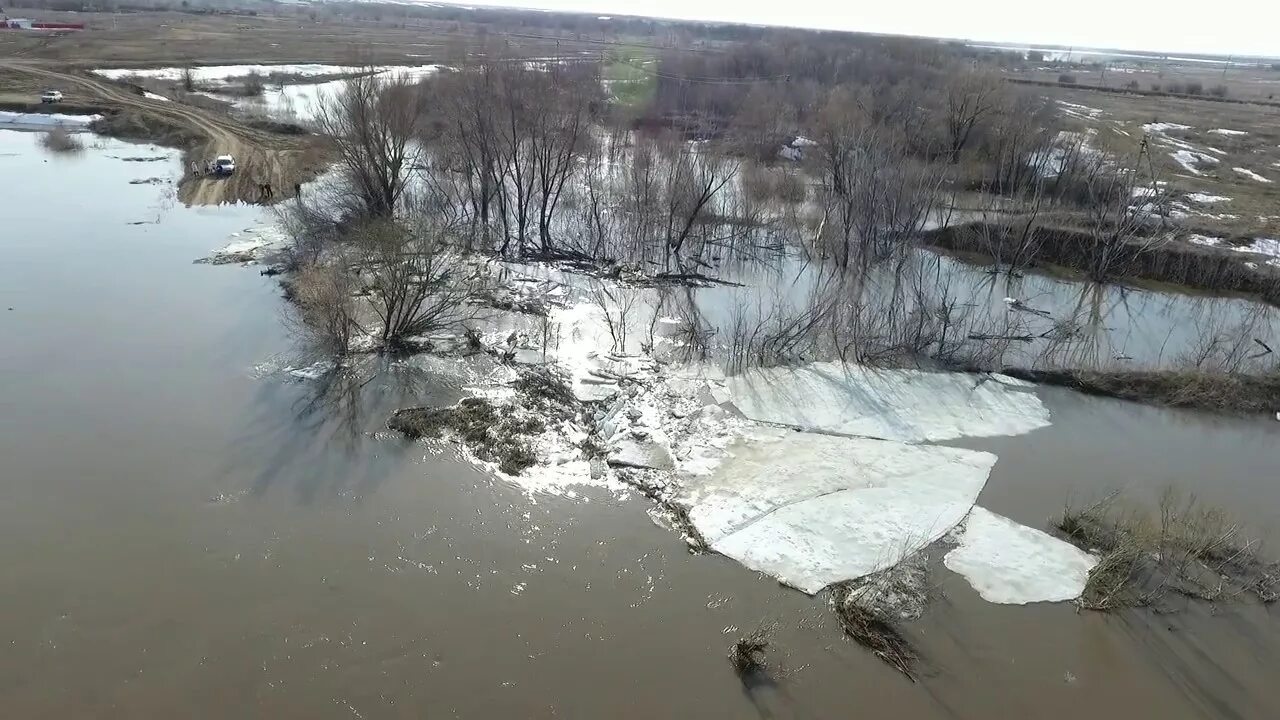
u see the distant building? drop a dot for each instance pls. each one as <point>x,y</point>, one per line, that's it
<point>26,24</point>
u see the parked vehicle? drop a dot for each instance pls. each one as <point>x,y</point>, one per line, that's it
<point>51,96</point>
<point>224,165</point>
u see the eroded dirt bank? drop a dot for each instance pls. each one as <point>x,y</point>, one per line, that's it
<point>262,157</point>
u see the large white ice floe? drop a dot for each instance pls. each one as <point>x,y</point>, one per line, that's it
<point>250,245</point>
<point>45,121</point>
<point>1014,564</point>
<point>812,509</point>
<point>903,405</point>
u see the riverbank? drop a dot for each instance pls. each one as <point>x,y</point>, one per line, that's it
<point>281,159</point>
<point>1187,265</point>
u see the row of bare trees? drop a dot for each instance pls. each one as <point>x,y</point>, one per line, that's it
<point>526,161</point>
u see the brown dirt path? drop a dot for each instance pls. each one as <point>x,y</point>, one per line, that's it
<point>261,156</point>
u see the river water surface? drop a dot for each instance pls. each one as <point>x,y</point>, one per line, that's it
<point>187,532</point>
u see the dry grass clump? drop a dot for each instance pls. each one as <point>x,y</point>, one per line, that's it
<point>746,655</point>
<point>498,433</point>
<point>875,632</point>
<point>494,433</point>
<point>1185,548</point>
<point>871,609</point>
<point>59,140</point>
<point>254,85</point>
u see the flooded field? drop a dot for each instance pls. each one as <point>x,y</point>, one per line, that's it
<point>187,529</point>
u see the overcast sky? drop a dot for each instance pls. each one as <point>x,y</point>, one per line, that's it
<point>1245,27</point>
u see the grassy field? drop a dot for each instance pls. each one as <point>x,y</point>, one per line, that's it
<point>159,38</point>
<point>1225,151</point>
<point>629,75</point>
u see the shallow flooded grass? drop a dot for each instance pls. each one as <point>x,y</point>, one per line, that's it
<point>1184,548</point>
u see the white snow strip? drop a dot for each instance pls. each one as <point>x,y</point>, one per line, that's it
<point>43,121</point>
<point>1079,110</point>
<point>222,73</point>
<point>1013,564</point>
<point>1251,175</point>
<point>1224,131</point>
<point>225,73</point>
<point>152,96</point>
<point>1206,198</point>
<point>1204,240</point>
<point>904,405</point>
<point>1163,127</point>
<point>811,509</point>
<point>1188,159</point>
<point>1262,246</point>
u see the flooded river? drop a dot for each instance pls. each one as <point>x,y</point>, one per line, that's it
<point>186,532</point>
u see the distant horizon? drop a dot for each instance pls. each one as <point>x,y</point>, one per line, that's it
<point>1125,27</point>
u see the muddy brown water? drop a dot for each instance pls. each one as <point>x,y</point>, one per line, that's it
<point>184,536</point>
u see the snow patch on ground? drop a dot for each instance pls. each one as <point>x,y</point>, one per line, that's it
<point>1081,111</point>
<point>903,405</point>
<point>1204,240</point>
<point>812,509</point>
<point>1224,131</point>
<point>1206,198</point>
<point>223,73</point>
<point>152,96</point>
<point>1262,246</point>
<point>1251,175</point>
<point>1188,159</point>
<point>1163,127</point>
<point>1013,564</point>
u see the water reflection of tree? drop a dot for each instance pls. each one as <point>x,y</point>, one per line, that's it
<point>311,437</point>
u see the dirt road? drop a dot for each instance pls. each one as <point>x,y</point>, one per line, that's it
<point>261,157</point>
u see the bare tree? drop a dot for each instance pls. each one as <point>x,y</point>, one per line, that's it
<point>326,315</point>
<point>417,281</point>
<point>373,122</point>
<point>1126,201</point>
<point>970,96</point>
<point>469,104</point>
<point>557,135</point>
<point>693,179</point>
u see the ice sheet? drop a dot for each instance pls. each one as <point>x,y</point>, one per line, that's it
<point>1013,564</point>
<point>811,510</point>
<point>904,405</point>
